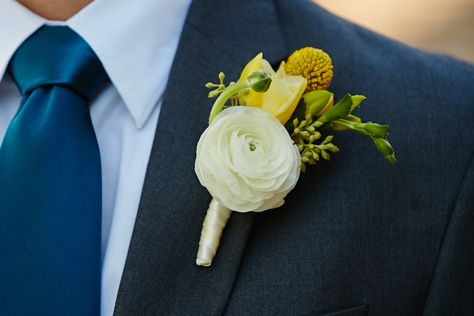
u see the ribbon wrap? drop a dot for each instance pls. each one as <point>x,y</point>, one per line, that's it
<point>212,228</point>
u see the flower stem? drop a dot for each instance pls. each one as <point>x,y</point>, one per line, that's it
<point>357,127</point>
<point>212,228</point>
<point>226,95</point>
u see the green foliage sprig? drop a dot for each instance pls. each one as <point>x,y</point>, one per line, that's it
<point>258,81</point>
<point>316,115</point>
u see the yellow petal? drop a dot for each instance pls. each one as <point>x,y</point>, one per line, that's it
<point>283,96</point>
<point>253,98</point>
<point>253,65</point>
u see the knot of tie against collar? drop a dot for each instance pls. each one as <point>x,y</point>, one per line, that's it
<point>56,55</point>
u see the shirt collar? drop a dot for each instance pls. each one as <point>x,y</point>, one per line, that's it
<point>16,24</point>
<point>135,40</point>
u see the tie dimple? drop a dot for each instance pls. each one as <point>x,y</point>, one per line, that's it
<point>56,55</point>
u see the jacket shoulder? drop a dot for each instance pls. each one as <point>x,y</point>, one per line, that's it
<point>406,82</point>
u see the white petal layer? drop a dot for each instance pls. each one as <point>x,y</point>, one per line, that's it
<point>247,160</point>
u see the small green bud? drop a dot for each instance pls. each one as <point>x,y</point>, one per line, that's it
<point>295,122</point>
<point>259,81</point>
<point>384,147</point>
<point>221,77</point>
<point>332,148</point>
<point>303,124</point>
<point>328,139</point>
<point>325,155</point>
<point>318,124</point>
<point>300,148</point>
<point>213,94</point>
<point>316,156</point>
<point>304,159</point>
<point>296,130</point>
<point>304,134</point>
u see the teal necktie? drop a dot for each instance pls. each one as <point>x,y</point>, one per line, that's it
<point>50,181</point>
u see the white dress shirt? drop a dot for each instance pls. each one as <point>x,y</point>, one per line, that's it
<point>136,42</point>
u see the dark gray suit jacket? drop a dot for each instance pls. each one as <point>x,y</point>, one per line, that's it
<point>356,236</point>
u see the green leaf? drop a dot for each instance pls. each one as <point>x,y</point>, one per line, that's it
<point>353,118</point>
<point>341,110</point>
<point>356,101</point>
<point>376,130</point>
<point>316,101</point>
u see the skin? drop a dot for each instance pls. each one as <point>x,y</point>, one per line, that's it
<point>56,10</point>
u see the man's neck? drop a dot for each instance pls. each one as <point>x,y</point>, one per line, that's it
<point>57,10</point>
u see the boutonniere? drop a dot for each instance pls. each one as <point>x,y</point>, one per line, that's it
<point>267,128</point>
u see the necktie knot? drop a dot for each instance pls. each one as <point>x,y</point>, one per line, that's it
<point>56,55</point>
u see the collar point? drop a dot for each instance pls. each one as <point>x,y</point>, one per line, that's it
<point>141,114</point>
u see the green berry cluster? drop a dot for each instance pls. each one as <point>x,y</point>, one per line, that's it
<point>309,143</point>
<point>218,87</point>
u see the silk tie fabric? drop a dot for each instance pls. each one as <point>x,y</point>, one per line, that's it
<point>50,180</point>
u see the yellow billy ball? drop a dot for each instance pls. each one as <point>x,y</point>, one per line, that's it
<point>313,64</point>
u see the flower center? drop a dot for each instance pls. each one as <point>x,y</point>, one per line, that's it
<point>252,147</point>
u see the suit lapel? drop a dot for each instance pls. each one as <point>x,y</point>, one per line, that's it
<point>160,274</point>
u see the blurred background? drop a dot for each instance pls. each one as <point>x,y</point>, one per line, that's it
<point>445,26</point>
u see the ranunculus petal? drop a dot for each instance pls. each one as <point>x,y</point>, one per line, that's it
<point>247,160</point>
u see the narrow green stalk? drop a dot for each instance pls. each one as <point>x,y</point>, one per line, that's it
<point>226,95</point>
<point>352,126</point>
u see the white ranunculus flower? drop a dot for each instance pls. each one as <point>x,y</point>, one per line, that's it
<point>247,160</point>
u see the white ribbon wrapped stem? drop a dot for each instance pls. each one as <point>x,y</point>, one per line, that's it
<point>212,228</point>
